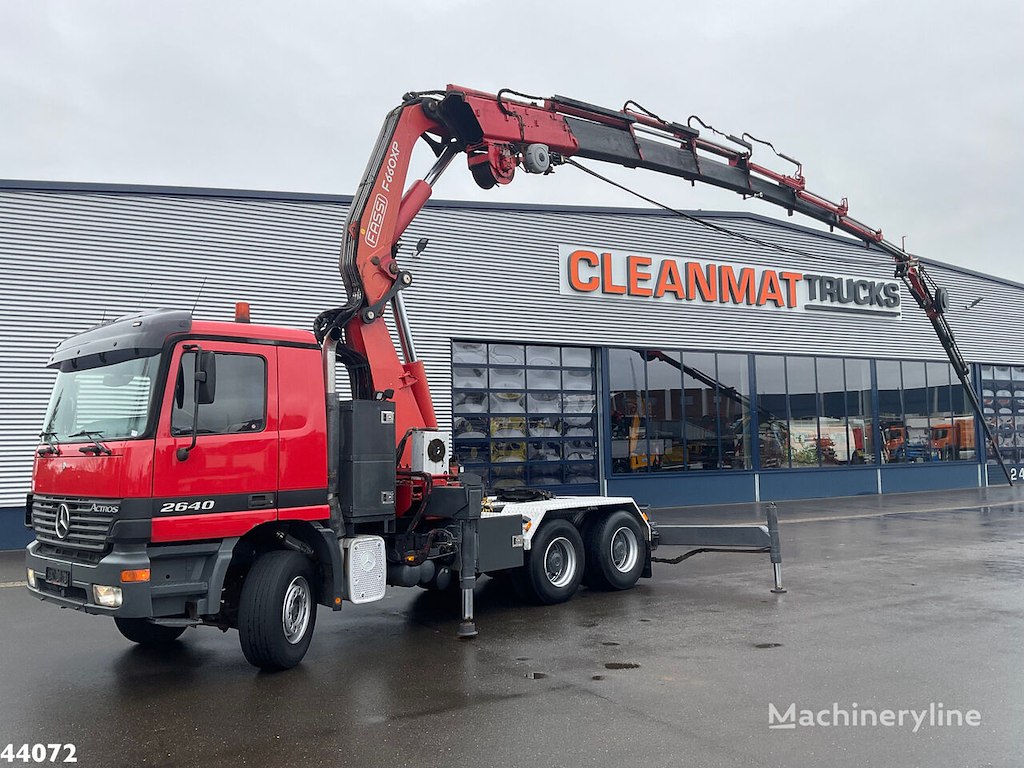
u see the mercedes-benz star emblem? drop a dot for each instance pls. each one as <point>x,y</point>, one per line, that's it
<point>62,525</point>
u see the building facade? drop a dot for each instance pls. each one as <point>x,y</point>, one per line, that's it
<point>726,357</point>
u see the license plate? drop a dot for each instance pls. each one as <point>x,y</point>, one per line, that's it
<point>58,577</point>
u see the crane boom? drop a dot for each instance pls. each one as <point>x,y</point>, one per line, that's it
<point>501,132</point>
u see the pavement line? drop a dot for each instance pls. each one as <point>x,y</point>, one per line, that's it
<point>10,584</point>
<point>883,513</point>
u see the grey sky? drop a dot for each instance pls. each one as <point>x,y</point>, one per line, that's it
<point>914,110</point>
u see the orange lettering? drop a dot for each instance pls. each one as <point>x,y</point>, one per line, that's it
<point>606,276</point>
<point>583,286</point>
<point>697,281</point>
<point>770,289</point>
<point>791,278</point>
<point>669,280</point>
<point>743,291</point>
<point>633,264</point>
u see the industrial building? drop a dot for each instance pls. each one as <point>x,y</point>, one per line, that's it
<point>713,358</point>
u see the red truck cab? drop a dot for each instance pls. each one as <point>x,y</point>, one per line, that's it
<point>139,495</point>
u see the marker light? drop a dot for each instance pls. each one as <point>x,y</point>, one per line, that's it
<point>30,576</point>
<point>139,574</point>
<point>108,597</point>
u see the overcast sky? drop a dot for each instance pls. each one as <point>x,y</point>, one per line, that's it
<point>914,110</point>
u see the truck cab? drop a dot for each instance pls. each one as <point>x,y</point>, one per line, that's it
<point>166,440</point>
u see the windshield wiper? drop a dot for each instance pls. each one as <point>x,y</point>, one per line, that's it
<point>52,446</point>
<point>97,446</point>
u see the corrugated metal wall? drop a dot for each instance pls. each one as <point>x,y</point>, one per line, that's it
<point>73,257</point>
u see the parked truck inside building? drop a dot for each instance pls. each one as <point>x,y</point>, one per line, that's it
<point>196,472</point>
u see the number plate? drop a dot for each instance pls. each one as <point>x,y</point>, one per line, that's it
<point>58,577</point>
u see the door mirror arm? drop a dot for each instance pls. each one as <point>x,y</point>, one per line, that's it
<point>200,379</point>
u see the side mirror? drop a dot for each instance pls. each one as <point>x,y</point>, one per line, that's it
<point>179,388</point>
<point>206,378</point>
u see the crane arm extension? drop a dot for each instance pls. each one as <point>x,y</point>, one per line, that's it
<point>501,132</point>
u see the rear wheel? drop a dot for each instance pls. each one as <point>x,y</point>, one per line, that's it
<point>277,610</point>
<point>553,568</point>
<point>615,551</point>
<point>145,632</point>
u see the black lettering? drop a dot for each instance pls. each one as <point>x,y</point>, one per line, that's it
<point>892,294</point>
<point>875,294</point>
<point>860,292</point>
<point>812,286</point>
<point>828,289</point>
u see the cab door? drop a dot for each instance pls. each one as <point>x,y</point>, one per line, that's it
<point>227,483</point>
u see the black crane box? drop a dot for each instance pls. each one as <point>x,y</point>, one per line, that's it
<point>366,478</point>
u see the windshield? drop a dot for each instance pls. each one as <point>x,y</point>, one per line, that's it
<point>110,402</point>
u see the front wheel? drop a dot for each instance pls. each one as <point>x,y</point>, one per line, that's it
<point>145,632</point>
<point>616,551</point>
<point>554,565</point>
<point>277,610</point>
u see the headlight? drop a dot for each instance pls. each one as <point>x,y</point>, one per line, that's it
<point>108,597</point>
<point>30,577</point>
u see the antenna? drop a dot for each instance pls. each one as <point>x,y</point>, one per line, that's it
<point>199,295</point>
<point>145,296</point>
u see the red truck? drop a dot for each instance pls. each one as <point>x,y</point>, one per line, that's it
<point>193,472</point>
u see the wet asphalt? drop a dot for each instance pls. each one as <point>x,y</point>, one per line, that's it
<point>893,603</point>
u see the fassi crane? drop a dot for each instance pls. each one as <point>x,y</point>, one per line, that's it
<point>501,132</point>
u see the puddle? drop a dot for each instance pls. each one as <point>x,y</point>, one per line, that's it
<point>610,642</point>
<point>621,665</point>
<point>522,658</point>
<point>767,645</point>
<point>597,677</point>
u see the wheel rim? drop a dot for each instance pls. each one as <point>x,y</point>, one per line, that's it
<point>624,549</point>
<point>560,562</point>
<point>295,610</point>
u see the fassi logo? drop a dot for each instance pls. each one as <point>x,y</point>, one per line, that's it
<point>379,208</point>
<point>377,212</point>
<point>619,273</point>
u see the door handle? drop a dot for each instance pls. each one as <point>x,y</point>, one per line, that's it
<point>261,500</point>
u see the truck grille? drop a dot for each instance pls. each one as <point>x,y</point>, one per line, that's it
<point>88,525</point>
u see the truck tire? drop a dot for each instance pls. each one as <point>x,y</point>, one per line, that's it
<point>615,552</point>
<point>145,632</point>
<point>277,610</point>
<point>553,568</point>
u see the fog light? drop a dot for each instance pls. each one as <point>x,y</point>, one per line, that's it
<point>108,597</point>
<point>30,577</point>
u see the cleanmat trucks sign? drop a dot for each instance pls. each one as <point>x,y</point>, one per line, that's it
<point>588,271</point>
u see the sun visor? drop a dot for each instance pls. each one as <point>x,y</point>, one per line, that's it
<point>137,335</point>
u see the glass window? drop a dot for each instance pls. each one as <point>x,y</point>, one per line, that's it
<point>803,412</point>
<point>834,436</point>
<point>891,427</point>
<point>628,410</point>
<point>508,402</point>
<point>469,352</point>
<point>546,356</point>
<point>734,410</point>
<point>240,398</point>
<point>665,410</point>
<point>1003,411</point>
<point>703,447</point>
<point>859,411</point>
<point>772,411</point>
<point>506,354</point>
<point>112,401</point>
<point>916,408</point>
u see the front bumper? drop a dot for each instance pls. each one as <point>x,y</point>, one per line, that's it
<point>136,601</point>
<point>184,580</point>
